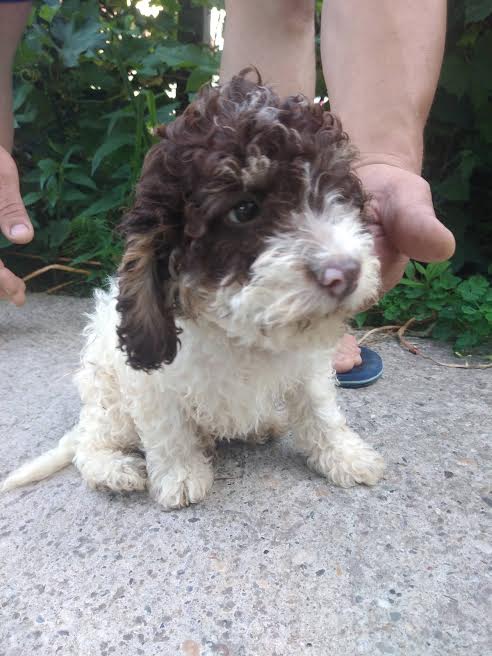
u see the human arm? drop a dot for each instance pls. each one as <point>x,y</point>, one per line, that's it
<point>381,63</point>
<point>14,221</point>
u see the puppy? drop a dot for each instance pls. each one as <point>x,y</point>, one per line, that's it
<point>245,251</point>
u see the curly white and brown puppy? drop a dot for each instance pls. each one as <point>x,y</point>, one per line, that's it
<point>246,250</point>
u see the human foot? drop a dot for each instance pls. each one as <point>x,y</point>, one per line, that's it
<point>347,355</point>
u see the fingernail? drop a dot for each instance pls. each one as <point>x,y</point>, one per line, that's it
<point>19,230</point>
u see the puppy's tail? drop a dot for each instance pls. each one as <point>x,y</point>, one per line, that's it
<point>45,465</point>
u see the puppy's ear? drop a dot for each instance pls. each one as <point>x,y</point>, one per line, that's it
<point>152,229</point>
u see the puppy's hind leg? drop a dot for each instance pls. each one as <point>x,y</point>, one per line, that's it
<point>107,453</point>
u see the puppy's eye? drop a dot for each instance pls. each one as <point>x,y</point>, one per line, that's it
<point>245,211</point>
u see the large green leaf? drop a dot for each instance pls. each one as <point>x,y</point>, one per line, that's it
<point>108,202</point>
<point>80,178</point>
<point>110,146</point>
<point>75,41</point>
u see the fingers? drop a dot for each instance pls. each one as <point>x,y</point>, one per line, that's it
<point>12,288</point>
<point>392,262</point>
<point>414,229</point>
<point>14,221</point>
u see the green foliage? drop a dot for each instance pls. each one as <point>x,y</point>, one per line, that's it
<point>461,310</point>
<point>91,82</point>
<point>458,159</point>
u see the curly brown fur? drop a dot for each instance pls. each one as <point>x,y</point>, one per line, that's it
<point>235,143</point>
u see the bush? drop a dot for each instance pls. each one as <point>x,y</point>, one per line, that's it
<point>93,79</point>
<point>458,159</point>
<point>459,311</point>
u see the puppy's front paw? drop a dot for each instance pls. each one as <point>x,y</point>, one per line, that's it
<point>182,484</point>
<point>348,462</point>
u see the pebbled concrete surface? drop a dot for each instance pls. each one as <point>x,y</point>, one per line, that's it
<point>276,562</point>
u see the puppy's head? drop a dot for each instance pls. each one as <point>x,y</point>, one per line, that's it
<point>248,216</point>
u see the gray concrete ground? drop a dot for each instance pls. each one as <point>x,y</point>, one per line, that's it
<point>275,561</point>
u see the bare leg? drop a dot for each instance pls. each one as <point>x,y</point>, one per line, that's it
<point>13,17</point>
<point>275,36</point>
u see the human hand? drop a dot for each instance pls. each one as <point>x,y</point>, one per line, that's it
<point>14,224</point>
<point>404,223</point>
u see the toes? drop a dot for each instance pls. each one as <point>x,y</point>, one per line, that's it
<point>349,464</point>
<point>181,486</point>
<point>115,472</point>
<point>347,355</point>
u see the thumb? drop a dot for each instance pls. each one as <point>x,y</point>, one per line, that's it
<point>415,230</point>
<point>14,220</point>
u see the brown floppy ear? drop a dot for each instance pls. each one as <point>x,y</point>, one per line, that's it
<point>152,229</point>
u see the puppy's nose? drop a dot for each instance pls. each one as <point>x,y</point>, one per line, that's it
<point>339,276</point>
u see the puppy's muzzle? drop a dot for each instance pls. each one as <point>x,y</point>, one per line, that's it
<point>338,276</point>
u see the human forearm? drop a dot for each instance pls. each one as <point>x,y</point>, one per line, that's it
<point>381,63</point>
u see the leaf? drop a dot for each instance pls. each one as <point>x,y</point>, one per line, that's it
<point>167,113</point>
<point>411,283</point>
<point>48,167</point>
<point>123,112</point>
<point>109,147</point>
<point>72,195</point>
<point>77,41</point>
<point>197,79</point>
<point>80,178</point>
<point>57,232</point>
<point>360,319</point>
<point>68,155</point>
<point>108,202</point>
<point>474,288</point>
<point>31,198</point>
<point>21,92</point>
<point>410,270</point>
<point>48,11</point>
<point>436,269</point>
<point>477,10</point>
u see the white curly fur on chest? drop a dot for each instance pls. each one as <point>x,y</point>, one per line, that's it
<point>227,390</point>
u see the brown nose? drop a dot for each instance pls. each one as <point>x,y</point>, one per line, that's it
<point>339,276</point>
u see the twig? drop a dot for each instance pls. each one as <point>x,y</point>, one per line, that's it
<point>56,288</point>
<point>467,365</point>
<point>58,259</point>
<point>416,351</point>
<point>377,330</point>
<point>56,267</point>
<point>401,331</point>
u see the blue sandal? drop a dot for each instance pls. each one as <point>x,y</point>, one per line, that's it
<point>363,374</point>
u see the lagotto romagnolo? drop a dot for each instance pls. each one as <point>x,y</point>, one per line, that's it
<point>246,250</point>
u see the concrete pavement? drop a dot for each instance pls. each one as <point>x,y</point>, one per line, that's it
<point>276,561</point>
